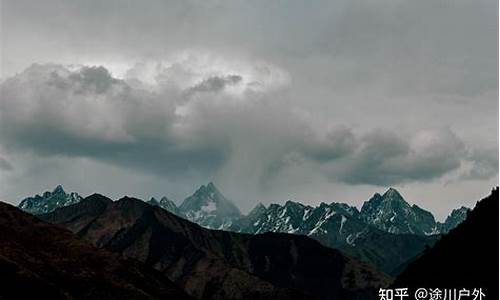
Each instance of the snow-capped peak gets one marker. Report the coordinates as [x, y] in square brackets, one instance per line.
[390, 212]
[209, 208]
[49, 201]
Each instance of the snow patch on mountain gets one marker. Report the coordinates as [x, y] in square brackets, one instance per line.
[209, 207]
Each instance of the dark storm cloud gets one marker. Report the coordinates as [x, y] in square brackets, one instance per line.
[53, 111]
[423, 45]
[93, 79]
[337, 143]
[387, 159]
[309, 147]
[215, 84]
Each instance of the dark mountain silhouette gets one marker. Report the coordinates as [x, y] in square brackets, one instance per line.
[467, 257]
[43, 261]
[211, 264]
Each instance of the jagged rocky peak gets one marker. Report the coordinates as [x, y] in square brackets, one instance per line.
[166, 201]
[386, 203]
[344, 209]
[290, 203]
[458, 213]
[392, 193]
[166, 204]
[208, 199]
[260, 206]
[58, 190]
[169, 205]
[390, 212]
[209, 208]
[154, 202]
[393, 197]
[257, 210]
[49, 201]
[293, 208]
[456, 217]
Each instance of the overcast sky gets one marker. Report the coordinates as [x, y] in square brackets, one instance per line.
[271, 100]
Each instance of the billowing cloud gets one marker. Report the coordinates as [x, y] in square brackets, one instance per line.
[51, 110]
[483, 164]
[387, 159]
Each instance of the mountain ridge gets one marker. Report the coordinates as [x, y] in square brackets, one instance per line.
[339, 226]
[167, 204]
[39, 260]
[272, 263]
[199, 207]
[387, 217]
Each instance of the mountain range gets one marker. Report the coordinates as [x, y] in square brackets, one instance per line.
[103, 249]
[208, 207]
[387, 232]
[214, 264]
